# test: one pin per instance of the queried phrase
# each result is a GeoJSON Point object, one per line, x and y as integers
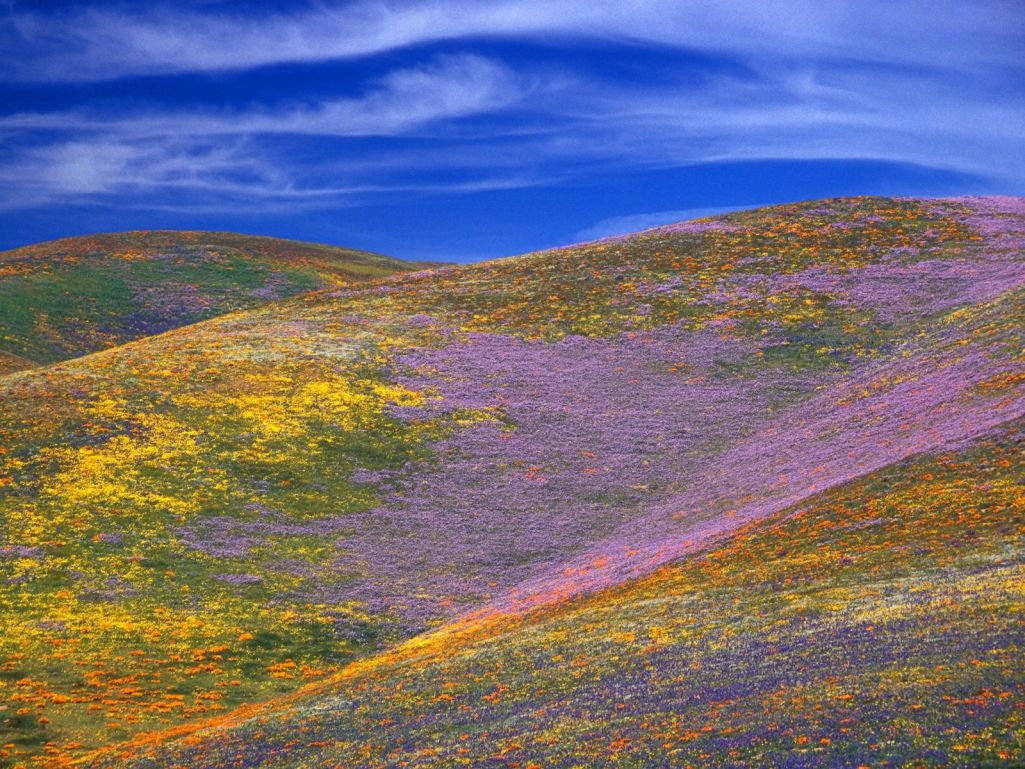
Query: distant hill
{"type": "Point", "coordinates": [744, 490]}
{"type": "Point", "coordinates": [69, 297]}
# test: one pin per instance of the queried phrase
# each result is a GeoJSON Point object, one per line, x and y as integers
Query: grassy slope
{"type": "Point", "coordinates": [879, 624]}
{"type": "Point", "coordinates": [244, 505]}
{"type": "Point", "coordinates": [69, 297]}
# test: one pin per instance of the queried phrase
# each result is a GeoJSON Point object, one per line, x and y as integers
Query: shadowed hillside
{"type": "Point", "coordinates": [70, 297]}
{"type": "Point", "coordinates": [671, 423]}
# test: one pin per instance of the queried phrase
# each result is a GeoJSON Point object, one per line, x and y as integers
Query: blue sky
{"type": "Point", "coordinates": [457, 130]}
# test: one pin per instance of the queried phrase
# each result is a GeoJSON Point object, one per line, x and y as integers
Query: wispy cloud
{"type": "Point", "coordinates": [98, 44]}
{"type": "Point", "coordinates": [445, 88]}
{"type": "Point", "coordinates": [903, 81]}
{"type": "Point", "coordinates": [811, 112]}
{"type": "Point", "coordinates": [623, 225]}
{"type": "Point", "coordinates": [220, 152]}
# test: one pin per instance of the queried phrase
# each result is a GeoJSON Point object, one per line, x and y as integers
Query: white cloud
{"type": "Point", "coordinates": [193, 174]}
{"type": "Point", "coordinates": [896, 81]}
{"type": "Point", "coordinates": [90, 169]}
{"type": "Point", "coordinates": [75, 154]}
{"type": "Point", "coordinates": [99, 44]}
{"type": "Point", "coordinates": [806, 112]}
{"type": "Point", "coordinates": [624, 225]}
{"type": "Point", "coordinates": [448, 87]}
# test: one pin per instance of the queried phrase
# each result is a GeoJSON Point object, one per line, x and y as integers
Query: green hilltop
{"type": "Point", "coordinates": [71, 297]}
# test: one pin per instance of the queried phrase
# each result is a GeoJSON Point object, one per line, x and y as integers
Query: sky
{"type": "Point", "coordinates": [455, 130]}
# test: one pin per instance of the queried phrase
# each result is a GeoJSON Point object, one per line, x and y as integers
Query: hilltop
{"type": "Point", "coordinates": [70, 297]}
{"type": "Point", "coordinates": [739, 489]}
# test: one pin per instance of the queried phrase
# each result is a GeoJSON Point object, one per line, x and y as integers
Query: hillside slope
{"type": "Point", "coordinates": [247, 504]}
{"type": "Point", "coordinates": [69, 297]}
{"type": "Point", "coordinates": [879, 624]}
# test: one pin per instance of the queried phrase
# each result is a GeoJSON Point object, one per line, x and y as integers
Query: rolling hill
{"type": "Point", "coordinates": [739, 491]}
{"type": "Point", "coordinates": [878, 624]}
{"type": "Point", "coordinates": [70, 297]}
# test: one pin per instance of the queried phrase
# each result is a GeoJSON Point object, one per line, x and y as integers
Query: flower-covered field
{"type": "Point", "coordinates": [70, 297]}
{"type": "Point", "coordinates": [879, 624]}
{"type": "Point", "coordinates": [741, 491]}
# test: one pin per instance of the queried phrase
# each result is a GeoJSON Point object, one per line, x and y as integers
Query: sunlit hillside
{"type": "Point", "coordinates": [745, 490]}
{"type": "Point", "coordinates": [878, 624]}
